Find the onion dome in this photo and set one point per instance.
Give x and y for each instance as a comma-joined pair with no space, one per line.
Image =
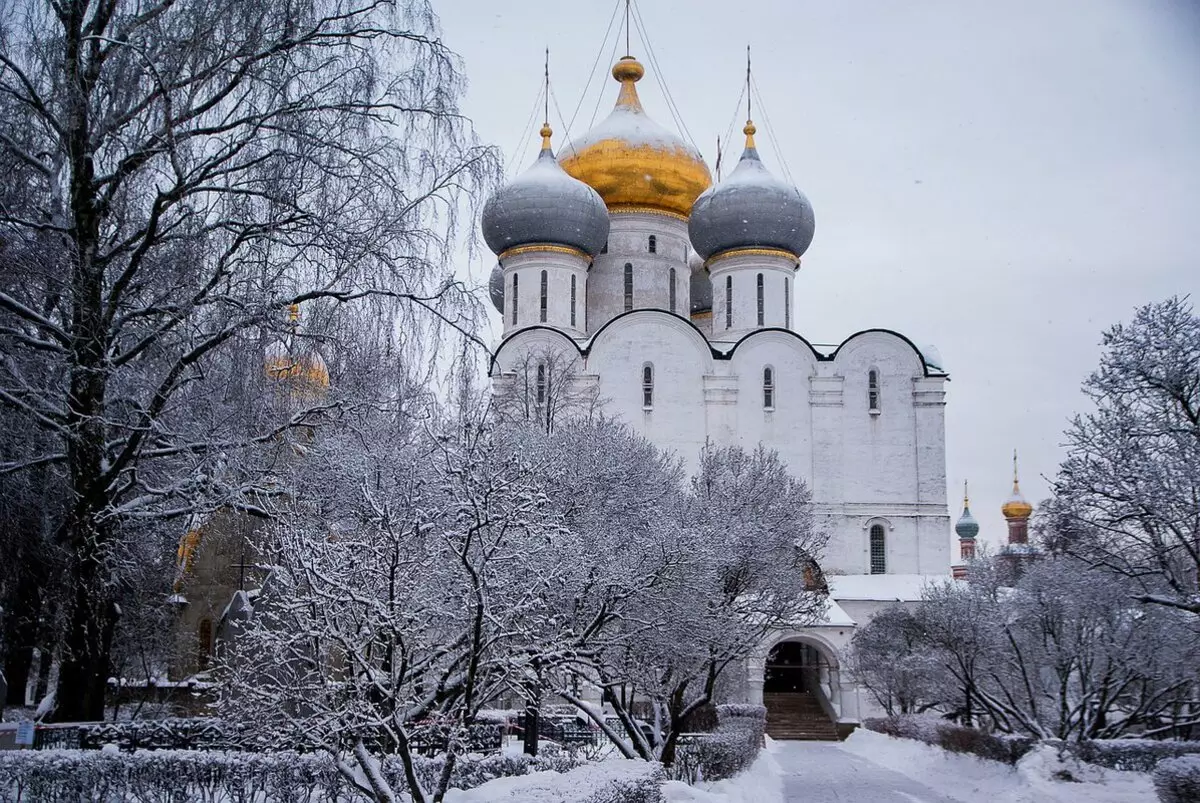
295,360
967,527
545,206
1016,506
633,162
496,287
751,209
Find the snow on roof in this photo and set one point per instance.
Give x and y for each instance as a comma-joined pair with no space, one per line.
882,587
835,616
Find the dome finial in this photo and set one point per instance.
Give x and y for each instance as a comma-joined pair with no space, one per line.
628,71
1016,479
749,130
293,314
966,497
546,131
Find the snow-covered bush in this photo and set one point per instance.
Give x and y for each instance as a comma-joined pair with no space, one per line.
725,753
1177,780
617,781
953,738
68,776
1131,755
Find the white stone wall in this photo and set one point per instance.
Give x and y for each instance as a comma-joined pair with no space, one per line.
628,242
560,268
740,273
863,467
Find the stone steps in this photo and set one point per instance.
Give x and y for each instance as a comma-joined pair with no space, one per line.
798,717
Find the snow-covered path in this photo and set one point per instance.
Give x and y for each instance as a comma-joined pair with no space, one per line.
824,772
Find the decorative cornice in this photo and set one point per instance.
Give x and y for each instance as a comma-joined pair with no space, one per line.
630,209
751,252
543,248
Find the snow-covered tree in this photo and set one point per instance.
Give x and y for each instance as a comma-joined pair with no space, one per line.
1065,653
391,617
177,173
1127,497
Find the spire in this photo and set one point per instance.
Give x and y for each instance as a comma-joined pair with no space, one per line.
966,498
546,131
1016,507
1016,479
749,130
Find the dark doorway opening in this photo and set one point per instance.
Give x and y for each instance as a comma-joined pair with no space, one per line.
792,667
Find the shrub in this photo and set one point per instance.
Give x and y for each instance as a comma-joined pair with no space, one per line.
54,776
1130,755
725,753
1177,780
606,782
953,738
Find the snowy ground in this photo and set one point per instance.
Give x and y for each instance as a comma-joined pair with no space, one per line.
877,768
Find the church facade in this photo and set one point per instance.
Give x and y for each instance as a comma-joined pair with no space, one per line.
627,279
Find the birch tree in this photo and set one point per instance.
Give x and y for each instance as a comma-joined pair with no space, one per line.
179,172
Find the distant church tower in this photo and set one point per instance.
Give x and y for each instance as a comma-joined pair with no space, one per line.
967,529
1017,511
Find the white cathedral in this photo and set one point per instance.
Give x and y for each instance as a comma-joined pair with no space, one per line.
671,298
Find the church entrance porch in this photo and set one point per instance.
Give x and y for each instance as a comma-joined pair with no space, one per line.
795,677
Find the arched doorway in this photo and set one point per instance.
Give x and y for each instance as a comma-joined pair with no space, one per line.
798,682
793,667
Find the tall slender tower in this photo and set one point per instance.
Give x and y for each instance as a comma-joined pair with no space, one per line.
967,529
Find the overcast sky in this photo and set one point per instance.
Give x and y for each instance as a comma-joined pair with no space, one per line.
1002,180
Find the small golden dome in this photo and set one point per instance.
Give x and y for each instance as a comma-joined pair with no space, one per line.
634,163
1016,506
307,367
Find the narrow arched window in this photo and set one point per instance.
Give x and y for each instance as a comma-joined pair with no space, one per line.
652,244
760,299
572,299
768,388
541,383
628,286
878,550
787,303
671,291
728,302
514,300
204,654
542,299
873,390
647,386
604,248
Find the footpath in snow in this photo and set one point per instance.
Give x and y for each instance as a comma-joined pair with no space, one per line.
871,767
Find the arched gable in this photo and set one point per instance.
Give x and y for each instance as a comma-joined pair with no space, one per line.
884,342
530,339
623,324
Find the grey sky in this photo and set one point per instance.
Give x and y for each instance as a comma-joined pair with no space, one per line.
1003,180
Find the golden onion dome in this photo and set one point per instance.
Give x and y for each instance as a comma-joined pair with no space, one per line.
291,359
1016,506
633,162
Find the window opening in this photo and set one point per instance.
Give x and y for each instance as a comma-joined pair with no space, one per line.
787,303
878,550
873,390
542,301
206,642
760,299
514,300
652,244
647,386
572,299
728,302
628,286
768,388
672,290
541,384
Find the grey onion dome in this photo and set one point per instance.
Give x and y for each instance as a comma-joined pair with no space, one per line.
544,205
496,287
967,527
751,209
